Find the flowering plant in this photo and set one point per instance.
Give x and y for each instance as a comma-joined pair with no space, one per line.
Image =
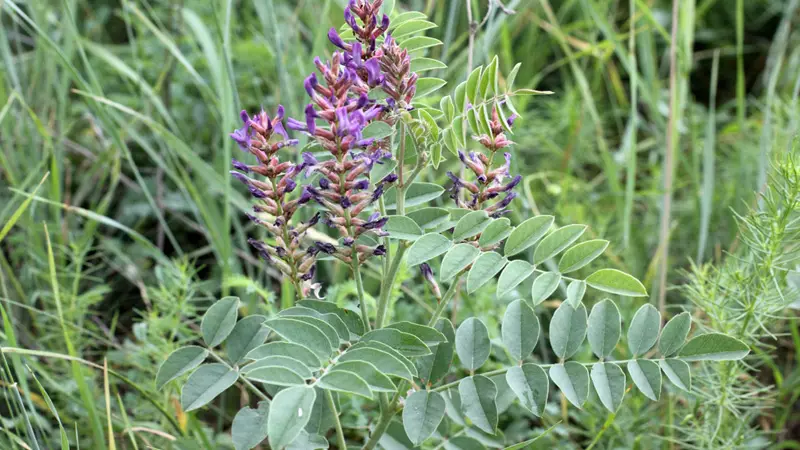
373,138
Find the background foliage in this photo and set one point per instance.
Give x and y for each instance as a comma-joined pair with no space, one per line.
120,225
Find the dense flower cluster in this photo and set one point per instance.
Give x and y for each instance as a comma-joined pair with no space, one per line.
339,112
489,182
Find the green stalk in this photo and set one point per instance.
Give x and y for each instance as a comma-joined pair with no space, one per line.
451,292
340,442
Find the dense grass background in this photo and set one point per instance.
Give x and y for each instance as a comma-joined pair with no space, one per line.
118,221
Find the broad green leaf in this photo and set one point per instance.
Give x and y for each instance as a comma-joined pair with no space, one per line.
412,27
249,426
581,254
498,230
338,324
573,380
713,347
530,384
514,273
428,85
646,375
205,384
248,334
604,328
678,372
512,76
434,367
402,227
556,242
349,317
427,247
388,363
307,441
567,330
422,414
527,234
419,43
377,381
219,320
616,282
295,405
377,130
322,417
402,17
421,64
488,77
303,333
457,259
391,350
417,194
430,336
478,395
484,269
276,375
528,92
575,292
643,332
286,362
296,351
544,285
609,383
405,343
347,382
446,103
433,128
395,437
674,334
429,218
472,85
465,442
472,343
180,362
520,330
296,314
472,224
436,154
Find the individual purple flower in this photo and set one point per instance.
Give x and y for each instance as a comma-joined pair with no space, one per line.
335,39
238,165
310,84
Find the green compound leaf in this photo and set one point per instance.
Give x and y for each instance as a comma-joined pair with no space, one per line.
219,320
428,85
430,336
276,375
249,426
405,343
303,333
347,382
286,362
575,292
544,285
205,384
646,375
567,330
514,273
678,372
472,343
290,349
581,254
248,334
472,224
609,382
421,64
419,43
180,362
377,381
714,347
616,282
351,318
295,404
312,317
674,334
388,349
422,414
556,242
427,247
643,332
520,330
388,363
429,218
434,367
605,328
527,234
530,384
402,227
457,259
573,380
484,269
377,130
498,230
478,395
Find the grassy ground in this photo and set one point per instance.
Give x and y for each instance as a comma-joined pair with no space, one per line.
118,221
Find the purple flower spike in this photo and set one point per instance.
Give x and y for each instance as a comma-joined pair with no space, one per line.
282,131
514,182
348,241
242,137
343,120
427,272
377,193
309,159
290,185
245,117
324,183
507,200
335,39
385,22
296,125
310,83
238,165
346,203
361,184
373,216
324,247
511,119
305,197
391,178
355,53
311,114
257,193
376,224
240,176
374,75
280,113
350,18
379,250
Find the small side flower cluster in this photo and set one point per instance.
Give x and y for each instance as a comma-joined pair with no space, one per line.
262,137
489,183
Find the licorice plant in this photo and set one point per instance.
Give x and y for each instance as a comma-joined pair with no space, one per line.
355,194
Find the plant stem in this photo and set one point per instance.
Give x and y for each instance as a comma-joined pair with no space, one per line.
388,284
362,304
451,292
340,442
244,380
